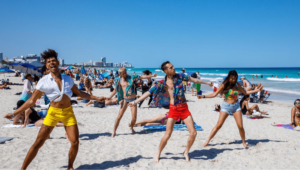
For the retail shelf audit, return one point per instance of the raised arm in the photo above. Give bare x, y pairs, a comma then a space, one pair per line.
83, 94
212, 95
199, 81
148, 76
257, 89
29, 103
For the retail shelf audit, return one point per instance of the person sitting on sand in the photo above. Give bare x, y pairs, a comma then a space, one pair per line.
296, 113
246, 84
88, 86
104, 102
81, 84
246, 110
230, 106
157, 120
4, 86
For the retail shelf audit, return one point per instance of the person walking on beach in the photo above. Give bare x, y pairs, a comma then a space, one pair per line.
172, 84
231, 106
126, 88
58, 88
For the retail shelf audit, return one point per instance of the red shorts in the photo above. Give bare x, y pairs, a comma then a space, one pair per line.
179, 111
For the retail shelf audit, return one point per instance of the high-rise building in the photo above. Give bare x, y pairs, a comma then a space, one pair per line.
61, 61
99, 64
103, 59
1, 56
109, 65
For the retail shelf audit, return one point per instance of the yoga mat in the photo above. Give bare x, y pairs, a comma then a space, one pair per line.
177, 127
4, 139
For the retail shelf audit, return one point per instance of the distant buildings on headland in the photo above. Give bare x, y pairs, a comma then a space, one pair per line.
35, 60
103, 63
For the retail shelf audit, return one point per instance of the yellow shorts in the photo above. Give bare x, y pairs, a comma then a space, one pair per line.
54, 115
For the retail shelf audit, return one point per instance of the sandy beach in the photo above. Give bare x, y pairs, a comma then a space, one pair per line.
269, 147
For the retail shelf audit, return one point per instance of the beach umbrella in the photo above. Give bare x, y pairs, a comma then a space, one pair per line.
5, 70
69, 67
26, 68
82, 71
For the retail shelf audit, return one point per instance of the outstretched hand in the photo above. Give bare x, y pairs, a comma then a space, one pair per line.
259, 87
101, 99
211, 84
154, 75
131, 104
199, 96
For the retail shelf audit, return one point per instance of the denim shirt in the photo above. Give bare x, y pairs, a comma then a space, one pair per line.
130, 89
178, 89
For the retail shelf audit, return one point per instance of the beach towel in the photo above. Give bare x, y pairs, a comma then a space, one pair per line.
17, 126
4, 139
110, 106
286, 126
177, 127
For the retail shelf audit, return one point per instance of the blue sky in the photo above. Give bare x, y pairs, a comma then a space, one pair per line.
225, 33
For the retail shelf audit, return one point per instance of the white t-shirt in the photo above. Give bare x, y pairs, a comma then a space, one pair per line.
23, 76
48, 86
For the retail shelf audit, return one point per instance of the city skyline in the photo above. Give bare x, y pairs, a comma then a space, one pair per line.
35, 60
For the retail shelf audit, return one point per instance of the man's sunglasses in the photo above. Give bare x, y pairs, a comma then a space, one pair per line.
297, 102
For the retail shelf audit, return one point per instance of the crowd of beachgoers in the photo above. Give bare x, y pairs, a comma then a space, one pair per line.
59, 91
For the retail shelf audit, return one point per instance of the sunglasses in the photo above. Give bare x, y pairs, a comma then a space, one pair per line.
297, 102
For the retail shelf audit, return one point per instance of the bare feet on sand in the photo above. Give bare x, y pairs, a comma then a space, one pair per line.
132, 131
205, 144
156, 158
186, 155
245, 145
113, 135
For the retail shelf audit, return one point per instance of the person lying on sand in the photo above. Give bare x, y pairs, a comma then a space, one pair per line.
157, 120
107, 85
104, 102
246, 110
295, 113
4, 86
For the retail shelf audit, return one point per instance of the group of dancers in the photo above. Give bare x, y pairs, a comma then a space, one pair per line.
59, 88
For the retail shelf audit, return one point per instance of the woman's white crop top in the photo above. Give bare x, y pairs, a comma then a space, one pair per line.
48, 86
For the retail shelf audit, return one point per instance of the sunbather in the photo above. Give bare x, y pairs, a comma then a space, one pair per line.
246, 110
4, 86
88, 86
296, 113
107, 85
157, 120
104, 102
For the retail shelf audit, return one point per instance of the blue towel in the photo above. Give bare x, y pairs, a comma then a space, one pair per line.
177, 127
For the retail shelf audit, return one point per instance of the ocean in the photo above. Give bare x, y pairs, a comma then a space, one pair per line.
281, 88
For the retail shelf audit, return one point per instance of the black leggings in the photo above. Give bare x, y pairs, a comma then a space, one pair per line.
143, 100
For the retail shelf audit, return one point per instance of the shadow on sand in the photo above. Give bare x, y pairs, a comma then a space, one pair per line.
111, 164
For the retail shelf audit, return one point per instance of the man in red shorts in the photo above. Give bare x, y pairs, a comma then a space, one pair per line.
173, 86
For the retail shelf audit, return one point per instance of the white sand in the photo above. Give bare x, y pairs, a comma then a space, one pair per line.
270, 147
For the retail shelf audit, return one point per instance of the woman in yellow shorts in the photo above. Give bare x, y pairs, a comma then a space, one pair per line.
58, 88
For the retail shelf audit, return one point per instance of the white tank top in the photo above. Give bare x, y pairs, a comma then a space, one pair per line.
48, 86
